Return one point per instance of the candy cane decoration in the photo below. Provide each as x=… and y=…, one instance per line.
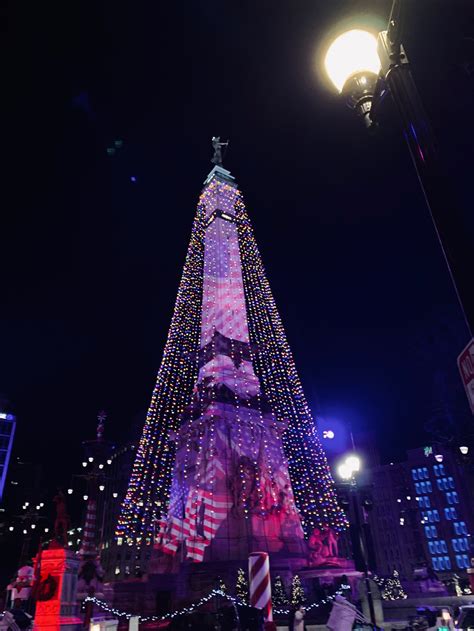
x=260, y=587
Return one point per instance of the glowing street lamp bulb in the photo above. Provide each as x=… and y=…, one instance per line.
x=86, y=497
x=11, y=529
x=101, y=487
x=69, y=491
x=114, y=494
x=101, y=466
x=84, y=464
x=353, y=462
x=46, y=529
x=464, y=450
x=91, y=459
x=33, y=526
x=439, y=457
x=344, y=471
x=353, y=51
x=109, y=461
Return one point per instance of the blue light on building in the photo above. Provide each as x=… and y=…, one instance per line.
x=7, y=433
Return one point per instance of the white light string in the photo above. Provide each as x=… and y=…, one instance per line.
x=187, y=610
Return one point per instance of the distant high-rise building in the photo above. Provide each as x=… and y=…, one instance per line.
x=423, y=513
x=7, y=434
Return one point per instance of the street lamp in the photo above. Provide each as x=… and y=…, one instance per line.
x=364, y=68
x=347, y=471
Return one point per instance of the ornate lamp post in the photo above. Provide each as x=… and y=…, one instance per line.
x=347, y=471
x=364, y=68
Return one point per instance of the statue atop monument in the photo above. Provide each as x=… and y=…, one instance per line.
x=217, y=146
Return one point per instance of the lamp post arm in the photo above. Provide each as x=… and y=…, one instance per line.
x=449, y=222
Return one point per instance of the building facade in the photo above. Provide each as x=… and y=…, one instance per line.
x=7, y=434
x=423, y=513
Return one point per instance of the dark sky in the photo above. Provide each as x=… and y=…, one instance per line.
x=91, y=260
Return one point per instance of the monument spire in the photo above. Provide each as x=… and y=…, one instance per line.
x=229, y=460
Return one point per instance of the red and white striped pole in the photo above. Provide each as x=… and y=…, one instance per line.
x=88, y=545
x=260, y=585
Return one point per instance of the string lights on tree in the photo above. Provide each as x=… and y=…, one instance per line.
x=298, y=596
x=242, y=586
x=279, y=597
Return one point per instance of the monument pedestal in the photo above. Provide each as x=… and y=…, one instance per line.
x=56, y=607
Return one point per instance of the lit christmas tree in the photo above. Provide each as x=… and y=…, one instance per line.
x=297, y=592
x=229, y=435
x=242, y=587
x=391, y=588
x=279, y=597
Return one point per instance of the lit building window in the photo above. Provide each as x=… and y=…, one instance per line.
x=450, y=513
x=462, y=561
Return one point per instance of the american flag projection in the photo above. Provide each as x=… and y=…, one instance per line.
x=229, y=460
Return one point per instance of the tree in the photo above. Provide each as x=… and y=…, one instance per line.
x=392, y=589
x=297, y=592
x=242, y=587
x=221, y=585
x=279, y=596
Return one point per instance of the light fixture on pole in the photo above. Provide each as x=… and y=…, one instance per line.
x=464, y=449
x=364, y=68
x=346, y=471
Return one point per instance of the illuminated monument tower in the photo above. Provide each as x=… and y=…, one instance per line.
x=229, y=461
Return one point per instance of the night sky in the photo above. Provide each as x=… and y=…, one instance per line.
x=91, y=260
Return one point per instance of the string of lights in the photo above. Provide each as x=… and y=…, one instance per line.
x=187, y=610
x=150, y=489
x=310, y=474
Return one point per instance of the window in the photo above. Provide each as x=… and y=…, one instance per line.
x=452, y=497
x=414, y=474
x=460, y=528
x=426, y=474
x=462, y=561
x=435, y=562
x=435, y=515
x=460, y=545
x=450, y=513
x=430, y=532
x=447, y=563
x=451, y=483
